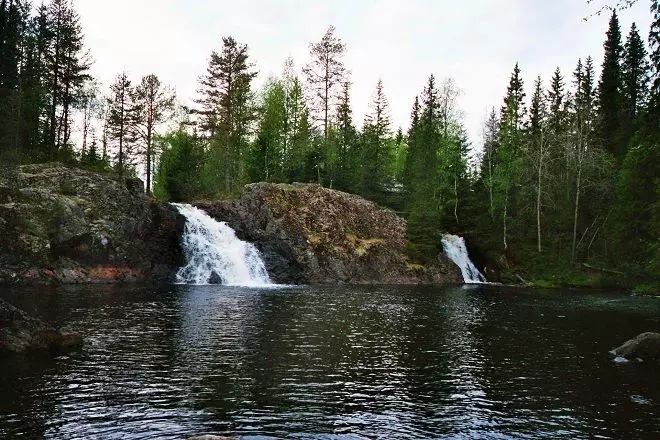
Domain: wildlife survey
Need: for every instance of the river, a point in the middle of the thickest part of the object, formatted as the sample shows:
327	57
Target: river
333	362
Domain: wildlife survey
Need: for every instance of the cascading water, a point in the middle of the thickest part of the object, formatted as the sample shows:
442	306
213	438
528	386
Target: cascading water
456	250
215	255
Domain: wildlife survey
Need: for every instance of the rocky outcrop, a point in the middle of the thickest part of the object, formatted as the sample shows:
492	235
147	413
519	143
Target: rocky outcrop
311	234
20	333
66	225
645	346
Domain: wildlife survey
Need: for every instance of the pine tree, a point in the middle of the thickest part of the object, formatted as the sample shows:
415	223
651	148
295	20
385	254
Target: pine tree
227	113
325	73
154	104
67	67
92	107
609	92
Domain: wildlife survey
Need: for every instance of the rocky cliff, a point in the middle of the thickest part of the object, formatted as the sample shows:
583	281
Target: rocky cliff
311	234
66	225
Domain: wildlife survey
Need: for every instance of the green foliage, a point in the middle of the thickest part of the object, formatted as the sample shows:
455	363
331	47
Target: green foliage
609	91
180	170
266	159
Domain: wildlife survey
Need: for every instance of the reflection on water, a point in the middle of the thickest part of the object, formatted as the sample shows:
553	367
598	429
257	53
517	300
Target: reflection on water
334	362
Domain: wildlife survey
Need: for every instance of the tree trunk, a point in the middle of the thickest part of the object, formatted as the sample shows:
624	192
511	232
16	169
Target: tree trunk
577	205
506	204
121	137
538	196
150	123
490	189
456	199
54	85
86	118
326	101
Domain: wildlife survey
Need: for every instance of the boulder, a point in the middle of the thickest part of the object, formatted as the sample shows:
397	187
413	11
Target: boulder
62	224
645	346
310	234
20	333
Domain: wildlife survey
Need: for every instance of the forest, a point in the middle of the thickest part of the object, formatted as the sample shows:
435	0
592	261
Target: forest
567	180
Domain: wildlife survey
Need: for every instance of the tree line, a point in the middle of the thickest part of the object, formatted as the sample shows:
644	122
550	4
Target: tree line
574	174
46	90
566	176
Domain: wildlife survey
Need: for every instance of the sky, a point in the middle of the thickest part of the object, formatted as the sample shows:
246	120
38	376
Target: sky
475	42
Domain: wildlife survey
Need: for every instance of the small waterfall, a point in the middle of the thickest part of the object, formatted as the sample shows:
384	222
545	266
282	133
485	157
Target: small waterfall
456	250
215	255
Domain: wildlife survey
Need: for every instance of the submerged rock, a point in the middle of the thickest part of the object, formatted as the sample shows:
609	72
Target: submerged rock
311	234
67	225
645	347
20	333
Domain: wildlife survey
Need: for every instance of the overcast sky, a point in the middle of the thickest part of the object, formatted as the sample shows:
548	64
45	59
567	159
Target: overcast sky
476	42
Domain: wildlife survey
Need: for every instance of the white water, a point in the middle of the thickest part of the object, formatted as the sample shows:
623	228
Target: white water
215	255
456	250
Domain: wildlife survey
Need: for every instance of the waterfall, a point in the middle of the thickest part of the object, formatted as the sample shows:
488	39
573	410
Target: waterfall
215	255
456	250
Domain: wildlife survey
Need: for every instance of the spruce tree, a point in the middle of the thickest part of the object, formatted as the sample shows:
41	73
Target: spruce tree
654	44
376	154
424	221
508	167
412	158
491	140
348	152
538	152
297	129
12	35
635	74
556	103
609	92
635	79
121	122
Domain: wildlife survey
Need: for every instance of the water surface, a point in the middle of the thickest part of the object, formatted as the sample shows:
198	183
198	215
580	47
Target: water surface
334	362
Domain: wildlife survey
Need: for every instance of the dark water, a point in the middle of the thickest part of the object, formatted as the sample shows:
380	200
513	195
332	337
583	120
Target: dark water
333	363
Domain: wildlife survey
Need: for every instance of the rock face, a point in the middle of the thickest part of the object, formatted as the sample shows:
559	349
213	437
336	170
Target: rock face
67	225
311	234
21	333
645	346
